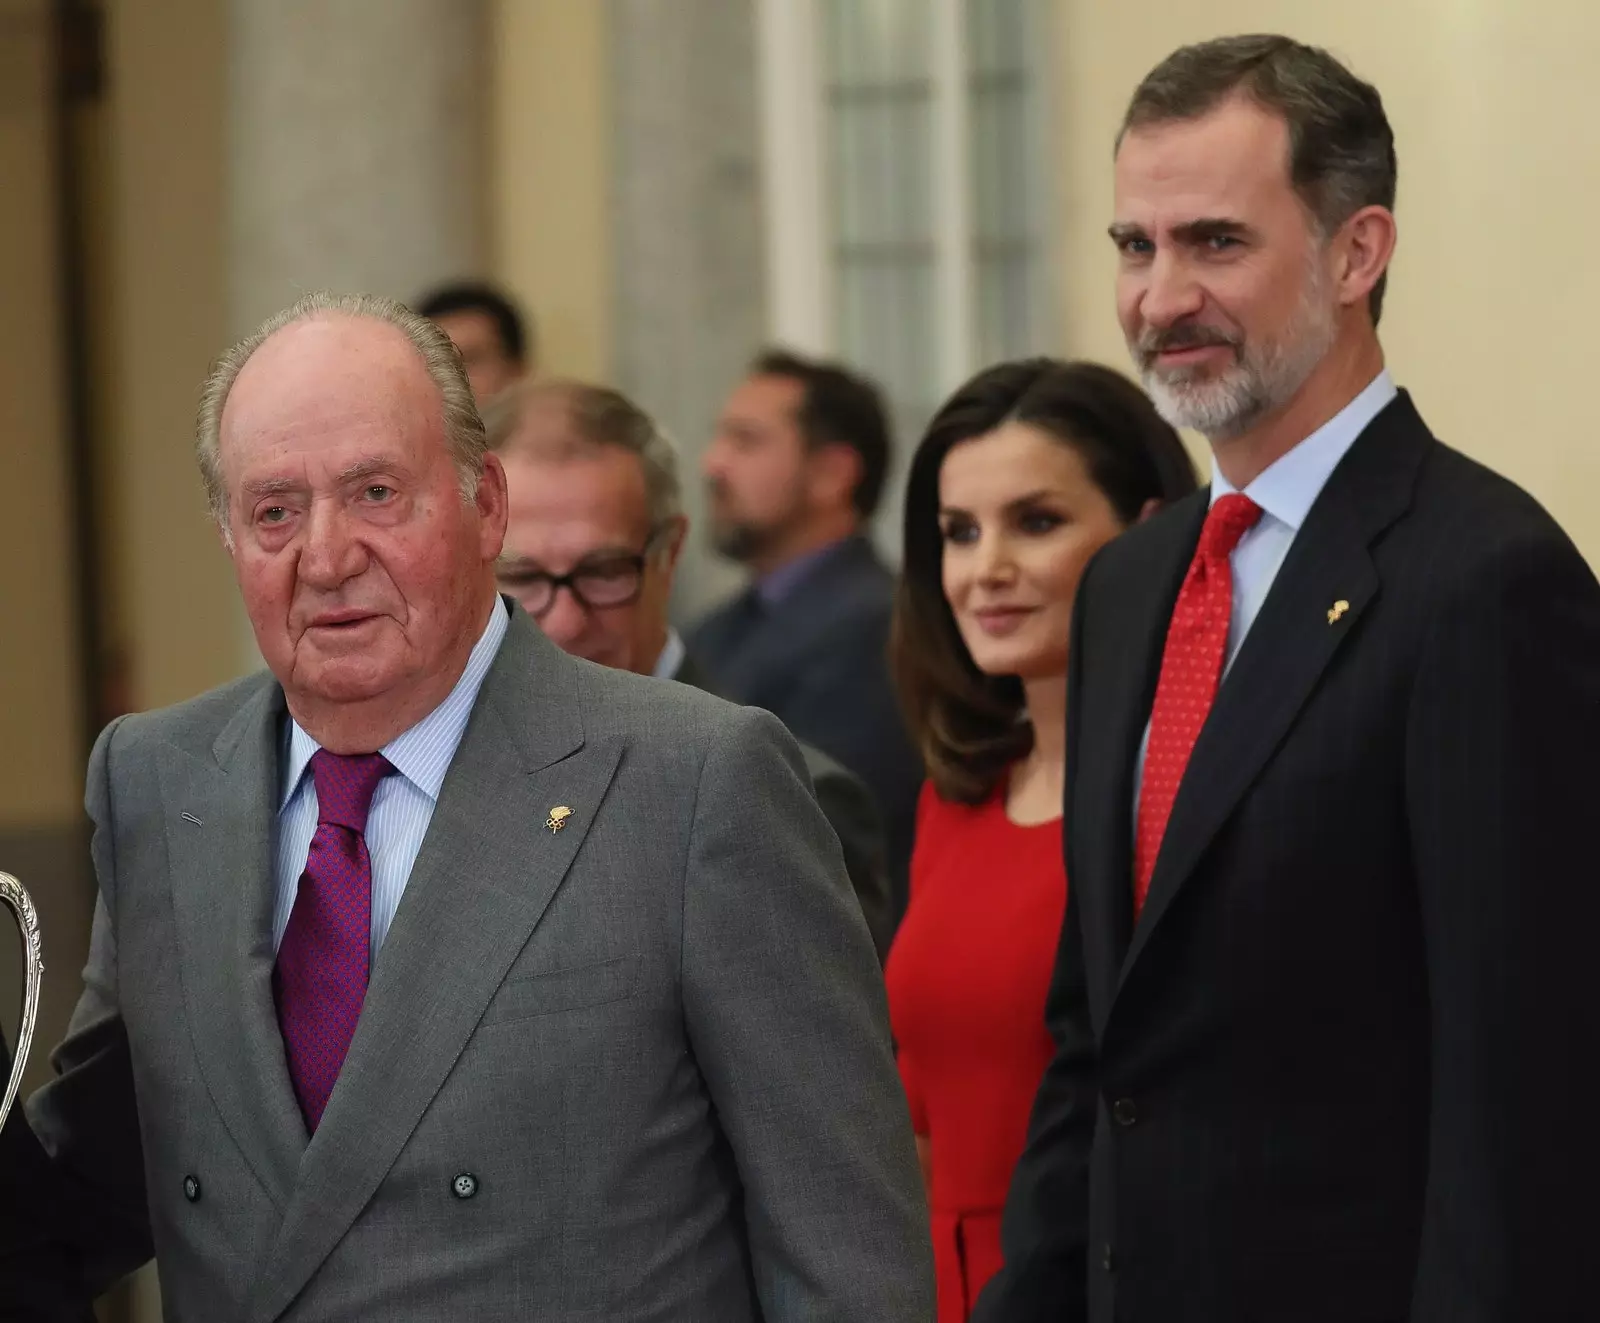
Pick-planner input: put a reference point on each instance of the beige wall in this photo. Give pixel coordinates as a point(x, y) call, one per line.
point(1491, 305)
point(549, 164)
point(40, 734)
point(165, 307)
point(161, 305)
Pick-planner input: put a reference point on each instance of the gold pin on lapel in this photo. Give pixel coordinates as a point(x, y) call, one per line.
point(558, 818)
point(1339, 608)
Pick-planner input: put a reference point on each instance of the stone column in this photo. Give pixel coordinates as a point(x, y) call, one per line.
point(356, 153)
point(356, 148)
point(688, 255)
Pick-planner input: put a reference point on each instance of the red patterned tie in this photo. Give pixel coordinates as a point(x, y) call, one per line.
point(1191, 667)
point(321, 976)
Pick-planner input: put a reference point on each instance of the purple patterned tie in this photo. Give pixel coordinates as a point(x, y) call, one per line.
point(321, 976)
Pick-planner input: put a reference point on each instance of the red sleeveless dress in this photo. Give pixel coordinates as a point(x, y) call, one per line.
point(967, 978)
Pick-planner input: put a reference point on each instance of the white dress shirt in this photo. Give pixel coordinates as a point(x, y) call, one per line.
point(1285, 491)
point(671, 656)
point(403, 805)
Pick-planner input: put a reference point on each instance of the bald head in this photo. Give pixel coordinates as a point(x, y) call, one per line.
point(439, 357)
point(366, 571)
point(349, 374)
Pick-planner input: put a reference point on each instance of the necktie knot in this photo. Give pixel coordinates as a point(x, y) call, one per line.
point(345, 785)
point(1229, 520)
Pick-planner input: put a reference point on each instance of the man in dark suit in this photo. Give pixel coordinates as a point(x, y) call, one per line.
point(795, 472)
point(1322, 1007)
point(592, 543)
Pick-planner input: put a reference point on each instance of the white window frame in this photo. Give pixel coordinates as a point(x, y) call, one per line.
point(800, 276)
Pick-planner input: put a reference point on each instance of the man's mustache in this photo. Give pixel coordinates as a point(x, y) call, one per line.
point(1183, 336)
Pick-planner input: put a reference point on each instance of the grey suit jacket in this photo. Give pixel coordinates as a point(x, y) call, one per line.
point(655, 1041)
point(819, 661)
point(848, 805)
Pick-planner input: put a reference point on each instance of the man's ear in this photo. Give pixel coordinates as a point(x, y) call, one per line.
point(834, 473)
point(1364, 244)
point(672, 543)
point(494, 506)
point(1150, 507)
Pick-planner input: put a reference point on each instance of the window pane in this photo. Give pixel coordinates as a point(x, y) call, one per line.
point(878, 75)
point(879, 103)
point(1007, 164)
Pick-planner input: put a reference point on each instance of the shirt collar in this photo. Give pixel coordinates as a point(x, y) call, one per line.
point(422, 754)
point(774, 587)
point(1287, 488)
point(671, 657)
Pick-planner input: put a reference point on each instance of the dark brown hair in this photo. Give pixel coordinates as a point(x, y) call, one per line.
point(511, 329)
point(1341, 149)
point(968, 724)
point(840, 408)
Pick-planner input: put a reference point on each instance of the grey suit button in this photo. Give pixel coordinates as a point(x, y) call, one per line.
point(1124, 1112)
point(464, 1186)
point(1108, 1260)
point(191, 1189)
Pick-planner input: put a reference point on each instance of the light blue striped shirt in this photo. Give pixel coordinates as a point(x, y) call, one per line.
point(403, 804)
point(671, 656)
point(1286, 490)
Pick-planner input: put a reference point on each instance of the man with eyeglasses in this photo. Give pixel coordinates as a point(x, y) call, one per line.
point(592, 542)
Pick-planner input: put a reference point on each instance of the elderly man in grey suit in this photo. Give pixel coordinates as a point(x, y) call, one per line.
point(437, 973)
point(593, 536)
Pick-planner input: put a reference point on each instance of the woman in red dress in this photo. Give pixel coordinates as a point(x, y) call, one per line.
point(1026, 472)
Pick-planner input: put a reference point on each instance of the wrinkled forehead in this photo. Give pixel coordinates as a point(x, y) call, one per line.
point(1230, 163)
point(577, 499)
point(325, 383)
point(766, 400)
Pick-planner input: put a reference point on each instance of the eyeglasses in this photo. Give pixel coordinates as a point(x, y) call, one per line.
point(606, 581)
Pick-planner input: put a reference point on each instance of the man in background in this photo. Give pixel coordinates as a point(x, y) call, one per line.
point(795, 472)
point(496, 345)
point(595, 529)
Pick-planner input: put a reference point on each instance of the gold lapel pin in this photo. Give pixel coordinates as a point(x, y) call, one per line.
point(1339, 608)
point(558, 818)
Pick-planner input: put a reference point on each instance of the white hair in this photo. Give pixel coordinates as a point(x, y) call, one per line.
point(463, 427)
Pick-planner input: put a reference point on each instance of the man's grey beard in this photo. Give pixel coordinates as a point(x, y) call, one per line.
point(1258, 382)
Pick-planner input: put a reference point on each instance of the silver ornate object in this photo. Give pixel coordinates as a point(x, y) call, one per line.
point(20, 903)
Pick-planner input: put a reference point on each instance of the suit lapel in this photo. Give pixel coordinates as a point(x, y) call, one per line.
point(1127, 658)
point(1289, 645)
point(222, 879)
point(486, 872)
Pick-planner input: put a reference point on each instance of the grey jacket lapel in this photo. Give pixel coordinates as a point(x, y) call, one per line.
point(488, 868)
point(222, 893)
